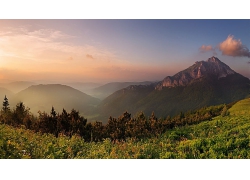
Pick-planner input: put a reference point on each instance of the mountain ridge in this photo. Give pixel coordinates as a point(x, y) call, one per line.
point(105, 90)
point(212, 66)
point(215, 83)
point(43, 96)
point(17, 86)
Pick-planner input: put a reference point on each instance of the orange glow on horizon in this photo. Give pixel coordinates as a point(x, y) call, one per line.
point(47, 54)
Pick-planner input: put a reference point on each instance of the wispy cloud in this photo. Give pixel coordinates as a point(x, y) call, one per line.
point(48, 45)
point(70, 58)
point(52, 54)
point(49, 34)
point(205, 48)
point(89, 56)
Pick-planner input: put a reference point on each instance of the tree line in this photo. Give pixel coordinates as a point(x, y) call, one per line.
point(125, 126)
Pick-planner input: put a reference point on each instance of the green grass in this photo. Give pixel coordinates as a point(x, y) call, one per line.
point(222, 137)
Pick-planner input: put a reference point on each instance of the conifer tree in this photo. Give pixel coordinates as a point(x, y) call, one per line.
point(5, 104)
point(53, 112)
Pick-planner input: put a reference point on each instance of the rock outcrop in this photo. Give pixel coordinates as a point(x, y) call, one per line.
point(213, 66)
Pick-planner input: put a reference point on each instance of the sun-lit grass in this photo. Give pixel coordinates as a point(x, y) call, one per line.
point(222, 137)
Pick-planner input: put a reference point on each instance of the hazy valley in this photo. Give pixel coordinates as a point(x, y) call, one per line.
point(205, 83)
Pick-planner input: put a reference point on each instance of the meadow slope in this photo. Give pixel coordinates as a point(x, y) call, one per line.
point(222, 137)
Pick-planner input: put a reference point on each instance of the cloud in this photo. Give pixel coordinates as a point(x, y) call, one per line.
point(51, 54)
point(48, 45)
point(48, 34)
point(89, 56)
point(205, 48)
point(233, 47)
point(70, 58)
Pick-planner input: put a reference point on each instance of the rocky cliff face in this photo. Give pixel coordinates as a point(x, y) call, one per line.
point(213, 66)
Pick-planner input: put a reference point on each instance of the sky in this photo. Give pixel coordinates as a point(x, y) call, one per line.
point(111, 50)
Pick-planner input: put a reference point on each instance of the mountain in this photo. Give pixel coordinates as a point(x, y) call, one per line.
point(43, 97)
point(109, 88)
point(212, 67)
point(204, 83)
point(17, 86)
point(86, 87)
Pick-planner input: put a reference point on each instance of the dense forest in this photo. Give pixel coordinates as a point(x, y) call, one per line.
point(116, 129)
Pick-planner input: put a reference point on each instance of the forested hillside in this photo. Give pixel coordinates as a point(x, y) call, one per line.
point(224, 136)
point(205, 83)
point(125, 126)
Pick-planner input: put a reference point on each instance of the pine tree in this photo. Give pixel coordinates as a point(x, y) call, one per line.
point(5, 104)
point(19, 113)
point(53, 112)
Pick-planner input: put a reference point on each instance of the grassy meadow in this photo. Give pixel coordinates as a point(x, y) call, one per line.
point(222, 137)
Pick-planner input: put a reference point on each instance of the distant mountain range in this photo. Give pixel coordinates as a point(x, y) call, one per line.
point(86, 87)
point(17, 86)
point(43, 97)
point(105, 90)
point(204, 83)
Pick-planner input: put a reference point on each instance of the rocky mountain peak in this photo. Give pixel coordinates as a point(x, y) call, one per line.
point(213, 60)
point(211, 67)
